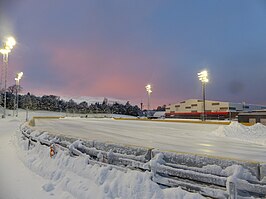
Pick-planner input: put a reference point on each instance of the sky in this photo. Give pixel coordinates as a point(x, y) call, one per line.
point(114, 48)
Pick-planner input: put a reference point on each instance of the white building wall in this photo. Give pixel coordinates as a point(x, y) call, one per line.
point(195, 105)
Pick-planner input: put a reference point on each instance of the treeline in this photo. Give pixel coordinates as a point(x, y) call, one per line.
point(54, 103)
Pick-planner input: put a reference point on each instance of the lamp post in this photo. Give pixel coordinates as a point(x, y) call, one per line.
point(149, 91)
point(203, 77)
point(7, 47)
point(18, 77)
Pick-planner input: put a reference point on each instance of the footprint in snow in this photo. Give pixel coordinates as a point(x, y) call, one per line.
point(48, 187)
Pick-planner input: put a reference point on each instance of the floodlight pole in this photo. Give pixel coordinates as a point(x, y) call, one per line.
point(149, 91)
point(5, 61)
point(149, 96)
point(16, 97)
point(8, 45)
point(203, 77)
point(204, 101)
point(18, 77)
point(17, 87)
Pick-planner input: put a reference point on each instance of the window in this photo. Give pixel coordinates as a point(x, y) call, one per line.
point(246, 106)
point(194, 105)
point(199, 100)
point(188, 107)
point(215, 103)
point(223, 108)
point(182, 102)
point(232, 108)
point(177, 105)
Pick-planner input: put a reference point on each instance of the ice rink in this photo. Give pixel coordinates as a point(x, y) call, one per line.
point(167, 136)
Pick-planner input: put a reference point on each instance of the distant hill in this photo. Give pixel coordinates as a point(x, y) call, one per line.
point(93, 100)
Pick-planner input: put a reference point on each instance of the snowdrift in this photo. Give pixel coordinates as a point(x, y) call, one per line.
point(252, 134)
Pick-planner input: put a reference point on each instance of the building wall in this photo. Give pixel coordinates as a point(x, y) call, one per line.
point(193, 108)
point(243, 107)
point(194, 105)
point(252, 118)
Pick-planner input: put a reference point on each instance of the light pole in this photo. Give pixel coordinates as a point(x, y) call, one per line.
point(7, 47)
point(149, 91)
point(203, 77)
point(18, 77)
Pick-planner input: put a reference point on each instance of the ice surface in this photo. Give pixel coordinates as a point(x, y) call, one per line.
point(167, 136)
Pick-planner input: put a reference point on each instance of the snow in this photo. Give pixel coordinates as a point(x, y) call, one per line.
point(75, 176)
point(16, 180)
point(250, 134)
point(32, 173)
point(159, 114)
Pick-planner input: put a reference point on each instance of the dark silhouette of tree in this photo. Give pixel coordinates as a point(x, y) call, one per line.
point(54, 103)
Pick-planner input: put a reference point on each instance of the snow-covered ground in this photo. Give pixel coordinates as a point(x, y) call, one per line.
point(255, 134)
point(32, 173)
point(26, 174)
point(73, 177)
point(233, 141)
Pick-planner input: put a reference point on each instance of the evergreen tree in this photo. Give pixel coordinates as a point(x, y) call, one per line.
point(54, 103)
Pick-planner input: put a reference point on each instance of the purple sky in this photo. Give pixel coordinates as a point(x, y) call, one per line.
point(114, 48)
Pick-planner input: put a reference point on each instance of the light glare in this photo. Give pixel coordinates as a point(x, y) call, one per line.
point(5, 51)
point(11, 41)
point(148, 89)
point(19, 75)
point(203, 76)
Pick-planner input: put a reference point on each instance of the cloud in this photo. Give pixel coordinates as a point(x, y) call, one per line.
point(236, 87)
point(98, 70)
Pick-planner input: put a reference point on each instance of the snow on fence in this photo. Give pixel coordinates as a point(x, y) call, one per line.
point(209, 176)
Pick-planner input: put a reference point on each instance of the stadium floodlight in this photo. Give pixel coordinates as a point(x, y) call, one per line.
point(18, 77)
point(11, 42)
point(149, 91)
point(8, 46)
point(203, 77)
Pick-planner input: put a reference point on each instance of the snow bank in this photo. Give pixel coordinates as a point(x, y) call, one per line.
point(73, 175)
point(251, 134)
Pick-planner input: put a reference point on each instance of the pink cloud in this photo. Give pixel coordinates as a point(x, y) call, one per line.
point(94, 72)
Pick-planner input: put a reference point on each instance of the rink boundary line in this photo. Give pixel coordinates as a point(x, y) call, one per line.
point(32, 121)
point(175, 121)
